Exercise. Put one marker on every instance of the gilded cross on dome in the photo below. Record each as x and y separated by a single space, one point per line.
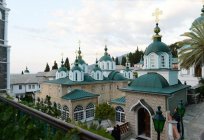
157 13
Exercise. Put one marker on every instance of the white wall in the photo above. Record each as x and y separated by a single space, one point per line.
25 88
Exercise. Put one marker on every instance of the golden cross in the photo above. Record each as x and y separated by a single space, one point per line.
203 2
157 13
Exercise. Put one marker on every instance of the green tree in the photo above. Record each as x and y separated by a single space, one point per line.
116 61
194 52
174 47
123 61
55 66
66 64
47 68
104 112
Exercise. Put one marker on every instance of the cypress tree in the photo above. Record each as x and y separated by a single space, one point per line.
66 64
47 68
116 61
55 66
123 61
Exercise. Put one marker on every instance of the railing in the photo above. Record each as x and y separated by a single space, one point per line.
56 123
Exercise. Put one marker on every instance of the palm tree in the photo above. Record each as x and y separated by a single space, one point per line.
193 52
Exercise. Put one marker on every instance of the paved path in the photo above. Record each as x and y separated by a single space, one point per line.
194 122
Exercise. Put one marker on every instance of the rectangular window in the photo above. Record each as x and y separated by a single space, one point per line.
20 87
152 61
33 86
29 86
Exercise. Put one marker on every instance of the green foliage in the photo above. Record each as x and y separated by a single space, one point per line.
174 47
116 61
194 53
55 66
47 68
104 112
135 57
16 125
94 128
66 64
123 61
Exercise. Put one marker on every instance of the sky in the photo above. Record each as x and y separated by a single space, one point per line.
40 31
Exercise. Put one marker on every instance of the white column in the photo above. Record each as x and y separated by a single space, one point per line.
202 71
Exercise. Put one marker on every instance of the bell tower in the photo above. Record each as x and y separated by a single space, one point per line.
4 49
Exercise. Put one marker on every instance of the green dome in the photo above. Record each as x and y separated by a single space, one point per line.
81 61
150 80
115 75
106 56
199 20
96 68
62 68
157 46
76 67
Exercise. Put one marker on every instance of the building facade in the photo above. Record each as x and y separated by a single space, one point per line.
4 49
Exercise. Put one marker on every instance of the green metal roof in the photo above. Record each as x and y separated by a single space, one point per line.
76 67
151 80
97 68
78 94
167 91
121 100
106 57
157 46
115 75
87 80
81 61
62 68
199 20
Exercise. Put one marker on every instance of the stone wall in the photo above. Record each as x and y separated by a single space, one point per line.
153 101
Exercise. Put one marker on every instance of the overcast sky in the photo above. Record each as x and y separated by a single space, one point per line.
41 30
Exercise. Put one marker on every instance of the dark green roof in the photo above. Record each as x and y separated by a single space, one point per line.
76 67
115 75
199 20
62 68
97 68
156 47
87 80
151 80
78 94
81 61
120 100
161 91
153 83
106 57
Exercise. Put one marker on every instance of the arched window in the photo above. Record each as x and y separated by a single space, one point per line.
97 76
76 76
90 110
78 113
107 66
65 113
152 61
129 75
162 61
120 114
